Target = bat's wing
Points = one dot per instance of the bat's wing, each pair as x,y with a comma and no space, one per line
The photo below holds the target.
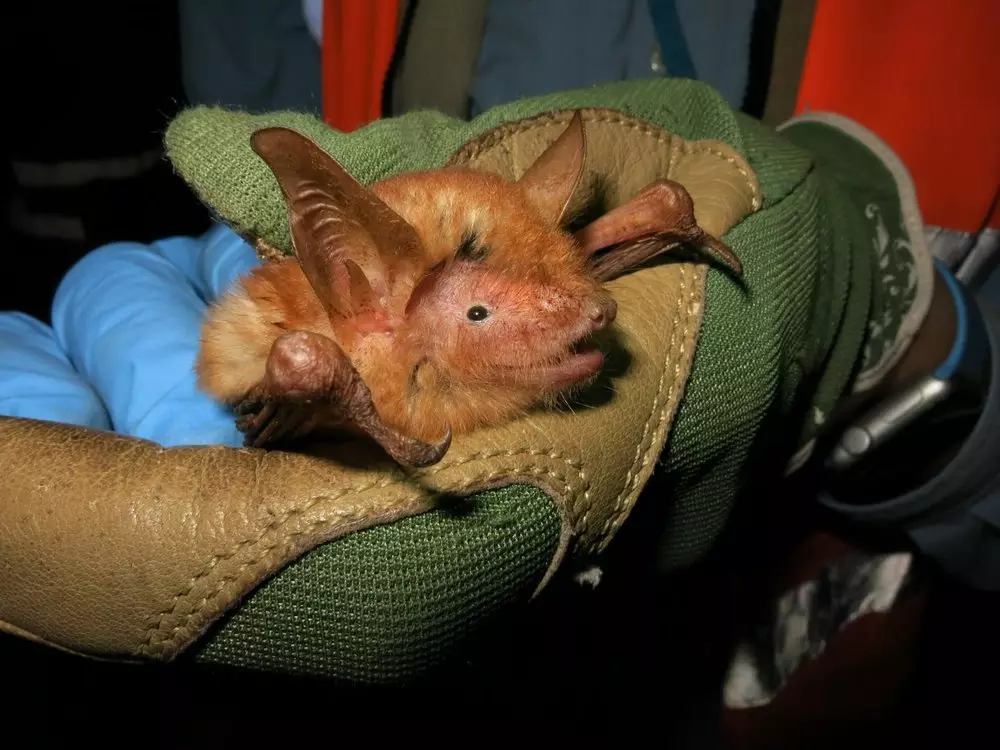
352,247
309,379
657,220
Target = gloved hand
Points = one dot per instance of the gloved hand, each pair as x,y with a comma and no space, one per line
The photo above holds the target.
125,329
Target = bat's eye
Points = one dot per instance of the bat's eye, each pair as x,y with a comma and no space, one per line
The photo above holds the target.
477,313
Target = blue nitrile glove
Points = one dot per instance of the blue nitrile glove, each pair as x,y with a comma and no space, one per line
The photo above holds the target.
125,329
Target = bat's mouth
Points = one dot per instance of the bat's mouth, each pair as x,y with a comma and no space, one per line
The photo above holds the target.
583,361
580,362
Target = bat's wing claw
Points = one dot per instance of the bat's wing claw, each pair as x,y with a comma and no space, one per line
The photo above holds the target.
261,422
722,253
308,375
411,452
249,407
657,220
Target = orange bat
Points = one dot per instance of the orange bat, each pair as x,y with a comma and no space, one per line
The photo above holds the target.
428,304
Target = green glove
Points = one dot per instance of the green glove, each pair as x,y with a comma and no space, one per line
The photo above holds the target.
837,279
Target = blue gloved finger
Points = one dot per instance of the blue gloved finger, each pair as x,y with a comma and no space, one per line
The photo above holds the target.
37,380
130,322
213,264
227,256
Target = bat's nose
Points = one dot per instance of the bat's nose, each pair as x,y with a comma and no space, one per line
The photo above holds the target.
603,312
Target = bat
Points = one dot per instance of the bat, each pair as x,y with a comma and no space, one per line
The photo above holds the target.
427,304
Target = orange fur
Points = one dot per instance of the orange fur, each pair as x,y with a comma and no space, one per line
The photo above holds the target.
484,242
534,264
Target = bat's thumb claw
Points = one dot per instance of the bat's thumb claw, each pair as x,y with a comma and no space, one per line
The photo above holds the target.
722,253
415,453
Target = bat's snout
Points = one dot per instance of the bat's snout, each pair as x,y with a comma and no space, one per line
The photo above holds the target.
602,312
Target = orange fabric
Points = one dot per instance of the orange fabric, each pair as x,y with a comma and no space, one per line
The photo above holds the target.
359,37
925,76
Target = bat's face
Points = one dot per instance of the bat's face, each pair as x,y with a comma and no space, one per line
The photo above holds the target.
511,301
492,326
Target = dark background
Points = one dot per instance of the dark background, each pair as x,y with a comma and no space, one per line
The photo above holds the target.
87,81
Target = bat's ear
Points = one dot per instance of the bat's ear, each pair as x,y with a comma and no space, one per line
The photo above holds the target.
552,180
658,219
350,244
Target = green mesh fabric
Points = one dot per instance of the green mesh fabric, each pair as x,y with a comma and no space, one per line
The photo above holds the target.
748,360
867,209
770,361
385,605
